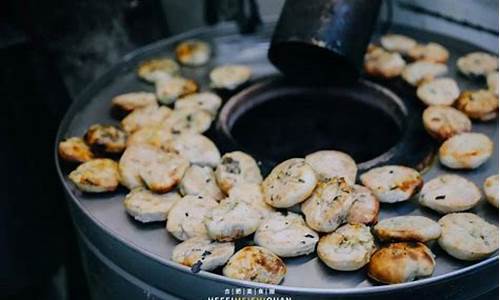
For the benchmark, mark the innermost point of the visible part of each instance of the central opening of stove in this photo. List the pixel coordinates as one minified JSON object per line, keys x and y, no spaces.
{"x":275,"y":121}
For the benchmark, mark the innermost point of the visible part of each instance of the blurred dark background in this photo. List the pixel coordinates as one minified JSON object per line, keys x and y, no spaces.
{"x":50,"y":50}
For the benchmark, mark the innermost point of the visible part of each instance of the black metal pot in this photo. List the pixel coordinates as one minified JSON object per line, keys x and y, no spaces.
{"x":323,"y":40}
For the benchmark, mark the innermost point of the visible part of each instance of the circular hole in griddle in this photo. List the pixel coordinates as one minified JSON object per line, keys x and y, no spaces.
{"x":276,"y":121}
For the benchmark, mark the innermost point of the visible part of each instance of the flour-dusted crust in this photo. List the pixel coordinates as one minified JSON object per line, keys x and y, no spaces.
{"x":157,"y":136}
{"x":146,"y":206}
{"x":199,"y":180}
{"x":74,"y":149}
{"x":163,"y":171}
{"x":365,"y":206}
{"x":131,"y":101}
{"x":477,"y":64}
{"x":466,"y":150}
{"x":392,"y":183}
{"x":330,"y":163}
{"x":450,"y":193}
{"x":467,"y":236}
{"x":438,"y":91}
{"x":231,"y":220}
{"x":384,"y":64}
{"x":96,"y":176}
{"x":132,"y":161}
{"x":151,"y":115}
{"x":193,"y":53}
{"x":286,"y":235}
{"x":206,"y":101}
{"x":169,"y":90}
{"x":198,"y":149}
{"x":407,"y":228}
{"x":492,"y":81}
{"x":432,"y":52}
{"x":349,"y":248}
{"x":107,"y":139}
{"x":443,"y":122}
{"x":200,"y":253}
{"x":289,"y":183}
{"x":256,"y":264}
{"x":401,"y":262}
{"x":147,"y":165}
{"x":251,"y":194}
{"x":229,"y":76}
{"x":490,"y":188}
{"x":397,"y":43}
{"x":186,"y":218}
{"x":156,"y":69}
{"x":237,"y":167}
{"x":480,"y":105}
{"x":420,"y":71}
{"x":329,"y":205}
{"x":188,"y":120}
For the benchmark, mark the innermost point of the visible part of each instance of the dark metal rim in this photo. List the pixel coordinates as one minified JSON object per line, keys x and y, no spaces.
{"x":469,"y":270}
{"x":108,"y":76}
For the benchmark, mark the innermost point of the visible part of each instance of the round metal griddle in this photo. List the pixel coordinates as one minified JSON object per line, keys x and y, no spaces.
{"x":126,"y":259}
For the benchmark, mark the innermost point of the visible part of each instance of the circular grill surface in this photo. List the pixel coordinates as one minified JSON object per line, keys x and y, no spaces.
{"x":102,"y":218}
